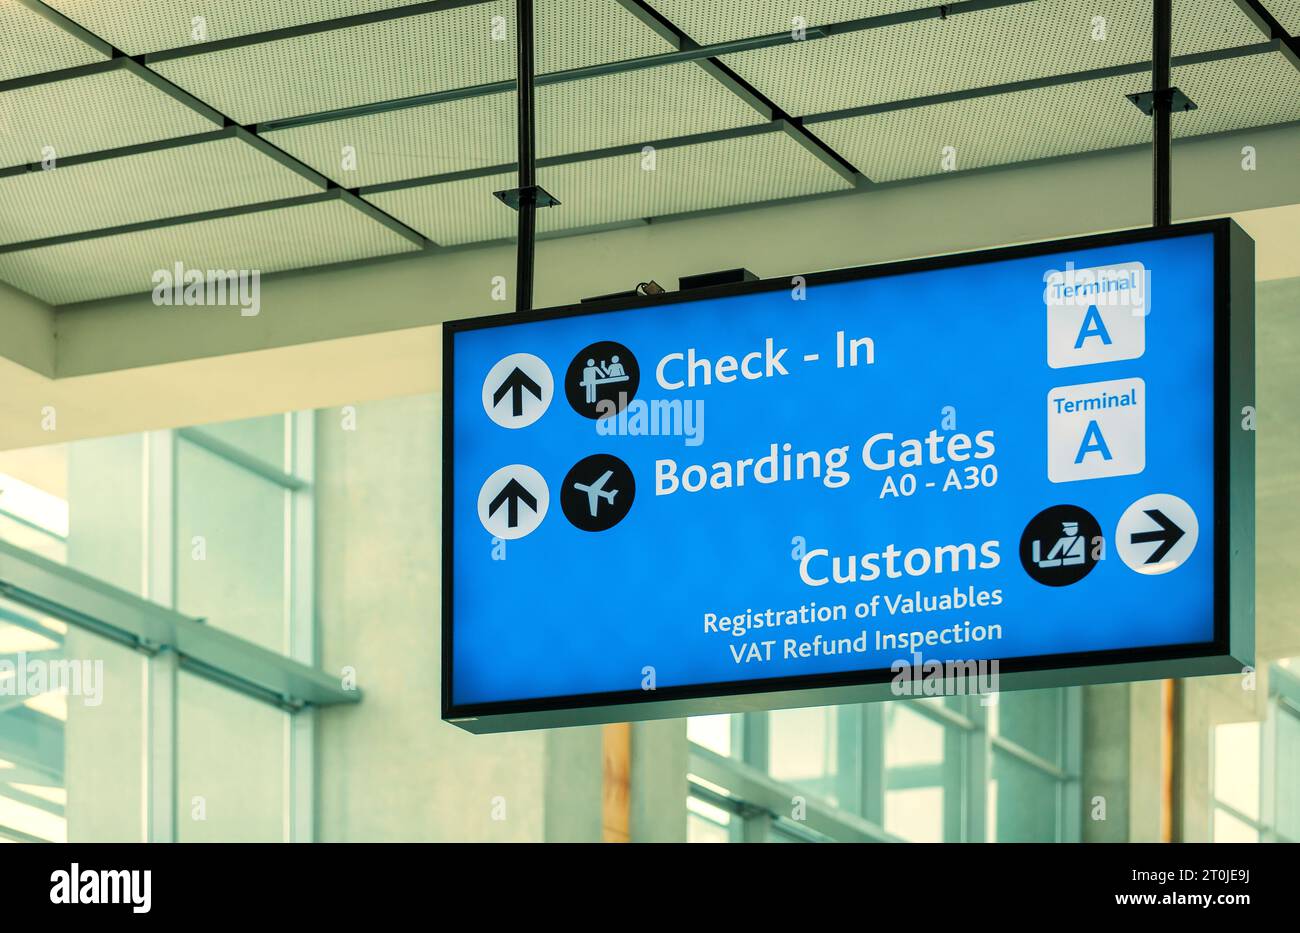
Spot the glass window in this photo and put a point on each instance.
(1287, 782)
(263, 438)
(34, 500)
(802, 749)
(903, 769)
(1030, 719)
(1236, 767)
(202, 520)
(712, 732)
(231, 780)
(706, 822)
(1227, 828)
(914, 774)
(1022, 804)
(230, 547)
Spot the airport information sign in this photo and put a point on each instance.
(784, 492)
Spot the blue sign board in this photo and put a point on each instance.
(780, 493)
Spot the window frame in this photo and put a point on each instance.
(742, 785)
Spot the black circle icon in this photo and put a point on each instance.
(1059, 545)
(602, 379)
(597, 493)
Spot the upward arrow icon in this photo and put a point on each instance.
(515, 384)
(510, 496)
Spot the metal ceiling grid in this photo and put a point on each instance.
(1260, 90)
(314, 234)
(993, 130)
(1086, 116)
(140, 26)
(979, 49)
(1287, 13)
(763, 166)
(712, 21)
(474, 132)
(330, 70)
(30, 44)
(220, 173)
(579, 116)
(635, 107)
(457, 212)
(105, 110)
(459, 47)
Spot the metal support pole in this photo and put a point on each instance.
(1161, 104)
(524, 79)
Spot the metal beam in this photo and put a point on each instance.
(90, 604)
(355, 197)
(525, 125)
(185, 98)
(752, 788)
(237, 456)
(795, 126)
(782, 124)
(1011, 87)
(62, 74)
(122, 152)
(691, 52)
(333, 194)
(1161, 112)
(308, 29)
(759, 102)
(705, 54)
(676, 142)
(1268, 24)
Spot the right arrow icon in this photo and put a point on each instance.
(1156, 534)
(1168, 534)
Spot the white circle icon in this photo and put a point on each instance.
(1156, 534)
(513, 501)
(517, 390)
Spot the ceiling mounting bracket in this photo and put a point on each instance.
(514, 197)
(1178, 101)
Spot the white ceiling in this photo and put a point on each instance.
(115, 122)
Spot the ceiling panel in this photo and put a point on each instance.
(31, 44)
(139, 26)
(724, 173)
(711, 21)
(991, 130)
(425, 54)
(89, 114)
(1254, 90)
(1286, 12)
(271, 241)
(148, 186)
(1257, 90)
(979, 49)
(476, 132)
(578, 116)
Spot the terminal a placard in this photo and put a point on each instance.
(783, 493)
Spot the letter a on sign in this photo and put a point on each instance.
(1093, 326)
